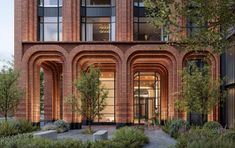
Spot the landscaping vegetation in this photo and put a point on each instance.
(60, 126)
(210, 135)
(126, 137)
(14, 127)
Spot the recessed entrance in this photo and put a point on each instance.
(146, 97)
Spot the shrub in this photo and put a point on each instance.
(212, 143)
(178, 126)
(14, 127)
(166, 127)
(8, 128)
(28, 141)
(212, 125)
(130, 137)
(195, 135)
(229, 135)
(61, 126)
(25, 126)
(48, 126)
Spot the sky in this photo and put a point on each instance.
(6, 30)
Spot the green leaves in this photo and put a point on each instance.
(200, 92)
(211, 21)
(92, 95)
(10, 93)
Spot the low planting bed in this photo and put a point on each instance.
(122, 138)
(210, 135)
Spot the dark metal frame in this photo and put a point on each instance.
(156, 98)
(140, 11)
(84, 15)
(41, 11)
(226, 86)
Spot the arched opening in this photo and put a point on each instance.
(50, 91)
(108, 80)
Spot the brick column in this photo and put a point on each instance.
(71, 20)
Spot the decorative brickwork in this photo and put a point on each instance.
(63, 61)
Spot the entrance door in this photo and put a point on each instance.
(146, 97)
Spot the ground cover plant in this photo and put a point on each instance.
(126, 137)
(209, 136)
(14, 127)
(60, 126)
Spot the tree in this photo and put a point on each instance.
(200, 93)
(10, 93)
(41, 91)
(211, 21)
(92, 96)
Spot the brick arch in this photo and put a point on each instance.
(83, 56)
(212, 60)
(163, 72)
(163, 60)
(46, 58)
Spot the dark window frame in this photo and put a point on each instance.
(139, 12)
(84, 21)
(41, 20)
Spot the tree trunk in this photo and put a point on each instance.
(5, 115)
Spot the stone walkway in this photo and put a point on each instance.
(158, 139)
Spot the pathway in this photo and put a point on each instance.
(158, 139)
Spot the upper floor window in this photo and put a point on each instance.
(98, 20)
(143, 30)
(50, 20)
(98, 3)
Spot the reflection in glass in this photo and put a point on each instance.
(146, 96)
(98, 29)
(50, 24)
(98, 3)
(108, 81)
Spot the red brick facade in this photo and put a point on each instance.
(63, 61)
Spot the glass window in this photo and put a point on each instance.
(143, 30)
(98, 2)
(50, 22)
(108, 81)
(98, 29)
(230, 101)
(139, 3)
(50, 32)
(230, 66)
(50, 3)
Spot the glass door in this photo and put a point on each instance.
(146, 97)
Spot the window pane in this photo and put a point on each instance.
(101, 32)
(139, 3)
(60, 32)
(50, 3)
(50, 19)
(98, 29)
(98, 2)
(50, 32)
(98, 19)
(60, 2)
(41, 31)
(148, 33)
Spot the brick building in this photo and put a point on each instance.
(64, 37)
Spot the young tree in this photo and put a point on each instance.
(211, 21)
(10, 93)
(200, 92)
(92, 96)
